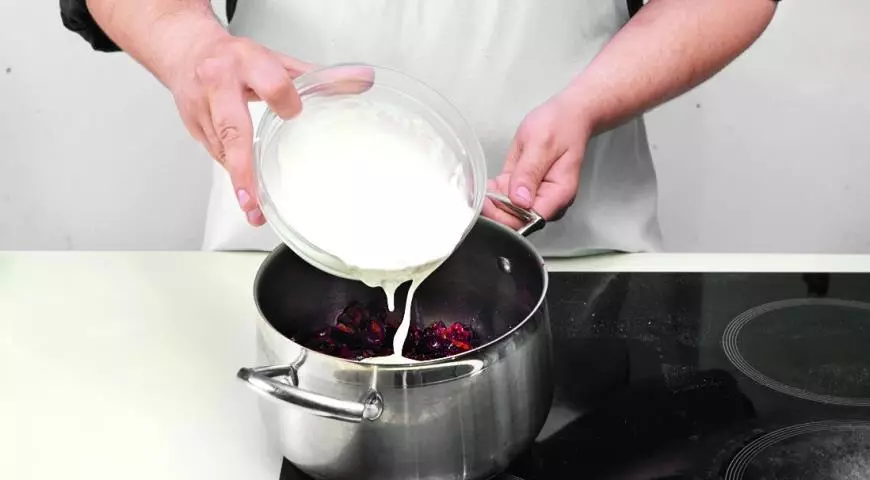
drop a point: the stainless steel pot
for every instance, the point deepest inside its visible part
(461, 417)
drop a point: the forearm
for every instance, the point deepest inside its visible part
(667, 49)
(159, 34)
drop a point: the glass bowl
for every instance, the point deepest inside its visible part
(377, 84)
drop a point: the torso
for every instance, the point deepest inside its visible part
(496, 60)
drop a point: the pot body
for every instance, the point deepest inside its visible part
(464, 417)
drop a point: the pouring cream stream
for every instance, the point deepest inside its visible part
(375, 186)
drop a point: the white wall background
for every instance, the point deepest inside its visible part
(774, 153)
(771, 155)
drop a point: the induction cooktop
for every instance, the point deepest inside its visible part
(702, 376)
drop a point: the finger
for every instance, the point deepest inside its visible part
(192, 119)
(270, 82)
(255, 217)
(489, 208)
(553, 200)
(197, 131)
(293, 66)
(212, 151)
(210, 138)
(500, 184)
(233, 128)
(554, 197)
(493, 211)
(513, 156)
(532, 165)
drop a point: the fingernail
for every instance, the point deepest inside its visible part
(524, 195)
(255, 216)
(243, 197)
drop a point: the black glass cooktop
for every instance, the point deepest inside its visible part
(750, 376)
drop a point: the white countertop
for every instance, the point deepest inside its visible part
(122, 365)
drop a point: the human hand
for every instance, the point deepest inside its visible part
(542, 169)
(213, 87)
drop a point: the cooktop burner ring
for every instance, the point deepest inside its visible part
(741, 461)
(732, 350)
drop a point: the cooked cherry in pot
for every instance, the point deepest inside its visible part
(362, 332)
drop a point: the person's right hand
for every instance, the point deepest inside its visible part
(212, 89)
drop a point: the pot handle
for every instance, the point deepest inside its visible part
(533, 220)
(261, 380)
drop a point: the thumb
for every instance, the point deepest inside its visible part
(293, 66)
(531, 167)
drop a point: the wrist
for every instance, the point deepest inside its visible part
(591, 101)
(184, 38)
(579, 107)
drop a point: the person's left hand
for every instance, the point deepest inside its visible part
(542, 169)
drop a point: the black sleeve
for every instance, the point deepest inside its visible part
(77, 18)
(231, 9)
(634, 6)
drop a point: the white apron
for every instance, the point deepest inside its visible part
(495, 60)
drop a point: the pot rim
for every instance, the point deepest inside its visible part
(438, 362)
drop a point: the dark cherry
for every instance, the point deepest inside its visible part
(362, 332)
